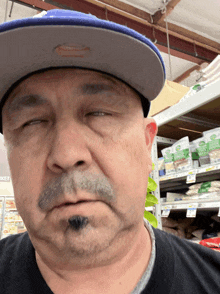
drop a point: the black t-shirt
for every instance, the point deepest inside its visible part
(180, 267)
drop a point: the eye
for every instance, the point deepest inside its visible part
(98, 113)
(33, 122)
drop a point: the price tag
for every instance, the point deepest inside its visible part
(165, 213)
(166, 210)
(191, 178)
(191, 210)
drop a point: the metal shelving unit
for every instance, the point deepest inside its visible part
(190, 117)
(10, 222)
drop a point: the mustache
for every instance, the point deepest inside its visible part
(70, 183)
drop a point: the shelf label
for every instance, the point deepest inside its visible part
(191, 178)
(173, 176)
(165, 213)
(210, 168)
(191, 210)
(166, 210)
(179, 206)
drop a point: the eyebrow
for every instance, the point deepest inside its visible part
(34, 100)
(27, 101)
(96, 88)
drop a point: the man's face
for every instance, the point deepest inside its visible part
(79, 153)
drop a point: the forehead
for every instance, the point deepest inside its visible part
(72, 75)
(47, 87)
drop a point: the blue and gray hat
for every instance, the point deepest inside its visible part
(66, 38)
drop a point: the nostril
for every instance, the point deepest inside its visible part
(81, 162)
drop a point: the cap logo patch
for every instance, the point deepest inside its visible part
(72, 50)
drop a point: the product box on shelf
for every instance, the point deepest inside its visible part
(168, 160)
(178, 157)
(181, 155)
(204, 190)
(170, 197)
(213, 143)
(200, 151)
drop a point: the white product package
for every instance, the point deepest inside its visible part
(198, 186)
(181, 155)
(168, 160)
(213, 143)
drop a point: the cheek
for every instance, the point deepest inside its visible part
(128, 165)
(27, 172)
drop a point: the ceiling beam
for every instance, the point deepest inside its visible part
(179, 54)
(138, 20)
(38, 4)
(160, 15)
(185, 33)
(126, 7)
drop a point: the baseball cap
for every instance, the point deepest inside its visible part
(67, 38)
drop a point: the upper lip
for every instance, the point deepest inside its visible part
(70, 202)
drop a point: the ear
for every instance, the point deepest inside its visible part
(150, 132)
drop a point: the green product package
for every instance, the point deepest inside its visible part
(201, 149)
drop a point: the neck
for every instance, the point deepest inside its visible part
(120, 276)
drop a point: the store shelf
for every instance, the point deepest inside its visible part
(176, 180)
(11, 220)
(200, 204)
(213, 204)
(207, 94)
(190, 117)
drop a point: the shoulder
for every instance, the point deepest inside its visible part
(13, 250)
(184, 247)
(11, 243)
(189, 264)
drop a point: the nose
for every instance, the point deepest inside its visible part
(69, 149)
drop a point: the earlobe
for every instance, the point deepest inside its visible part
(150, 132)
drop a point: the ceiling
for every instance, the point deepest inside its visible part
(186, 32)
